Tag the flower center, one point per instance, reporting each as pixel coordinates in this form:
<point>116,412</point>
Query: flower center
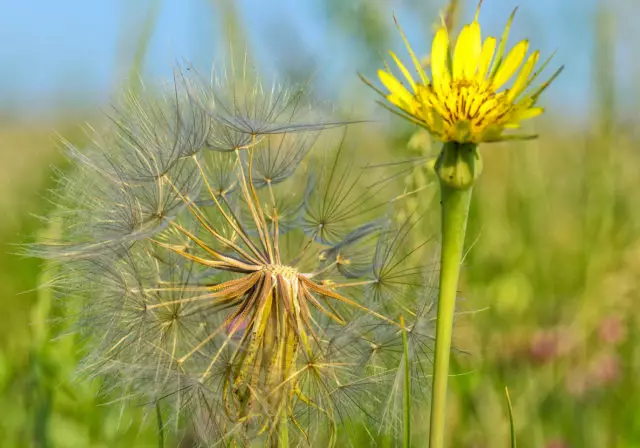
<point>465,107</point>
<point>288,272</point>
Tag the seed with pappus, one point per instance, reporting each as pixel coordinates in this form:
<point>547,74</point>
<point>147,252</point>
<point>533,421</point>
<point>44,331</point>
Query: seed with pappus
<point>232,266</point>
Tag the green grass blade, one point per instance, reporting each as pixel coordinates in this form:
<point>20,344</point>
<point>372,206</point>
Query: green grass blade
<point>134,81</point>
<point>160,426</point>
<point>407,389</point>
<point>512,428</point>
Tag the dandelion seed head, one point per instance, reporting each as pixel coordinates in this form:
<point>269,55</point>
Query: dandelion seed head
<point>226,269</point>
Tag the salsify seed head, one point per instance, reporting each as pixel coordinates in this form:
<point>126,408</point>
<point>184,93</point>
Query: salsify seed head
<point>232,265</point>
<point>465,99</point>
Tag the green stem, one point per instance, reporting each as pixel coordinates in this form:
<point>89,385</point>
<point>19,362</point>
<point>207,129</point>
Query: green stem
<point>160,426</point>
<point>283,431</point>
<point>407,388</point>
<point>457,167</point>
<point>512,426</point>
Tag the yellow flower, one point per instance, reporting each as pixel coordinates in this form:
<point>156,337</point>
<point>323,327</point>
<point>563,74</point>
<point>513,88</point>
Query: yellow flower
<point>466,100</point>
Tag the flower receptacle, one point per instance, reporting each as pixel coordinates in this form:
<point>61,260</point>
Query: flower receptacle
<point>458,165</point>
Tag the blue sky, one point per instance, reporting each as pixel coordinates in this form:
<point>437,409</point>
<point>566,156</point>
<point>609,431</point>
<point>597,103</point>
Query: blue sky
<point>75,52</point>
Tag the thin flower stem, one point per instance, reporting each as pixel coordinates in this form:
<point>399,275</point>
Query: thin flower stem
<point>160,425</point>
<point>407,388</point>
<point>512,427</point>
<point>455,210</point>
<point>283,430</point>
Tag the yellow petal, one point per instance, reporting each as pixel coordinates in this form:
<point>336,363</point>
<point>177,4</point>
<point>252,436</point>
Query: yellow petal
<point>522,81</point>
<point>431,101</point>
<point>396,89</point>
<point>510,64</point>
<point>436,122</point>
<point>404,71</point>
<point>486,55</point>
<point>459,56</point>
<point>451,104</point>
<point>529,113</point>
<point>439,56</point>
<point>465,58</point>
<point>467,52</point>
<point>488,109</point>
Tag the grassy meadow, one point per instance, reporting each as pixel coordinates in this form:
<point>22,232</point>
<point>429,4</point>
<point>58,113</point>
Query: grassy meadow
<point>549,299</point>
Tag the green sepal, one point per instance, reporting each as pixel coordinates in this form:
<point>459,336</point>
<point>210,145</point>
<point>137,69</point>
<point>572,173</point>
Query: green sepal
<point>459,165</point>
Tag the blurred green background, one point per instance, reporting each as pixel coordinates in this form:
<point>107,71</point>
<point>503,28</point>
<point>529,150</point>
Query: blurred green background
<point>551,284</point>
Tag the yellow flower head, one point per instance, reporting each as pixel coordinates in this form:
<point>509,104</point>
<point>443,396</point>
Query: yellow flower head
<point>465,101</point>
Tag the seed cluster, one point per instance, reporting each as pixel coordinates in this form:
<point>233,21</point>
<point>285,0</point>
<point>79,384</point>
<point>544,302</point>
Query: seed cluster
<point>234,267</point>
